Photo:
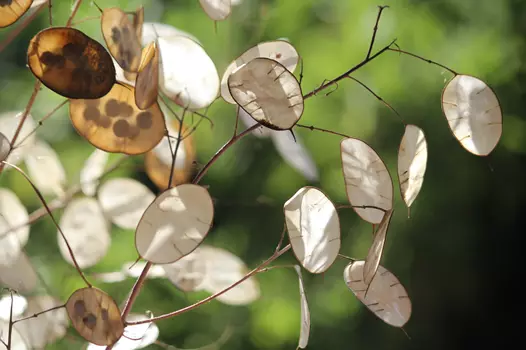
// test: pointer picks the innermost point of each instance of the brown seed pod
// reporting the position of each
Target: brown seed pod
(115, 124)
(138, 20)
(71, 63)
(95, 315)
(147, 81)
(157, 162)
(12, 10)
(121, 38)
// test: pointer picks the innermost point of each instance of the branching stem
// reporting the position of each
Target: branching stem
(424, 59)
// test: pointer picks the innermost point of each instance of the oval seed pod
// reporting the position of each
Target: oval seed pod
(91, 172)
(5, 147)
(473, 114)
(372, 261)
(268, 92)
(217, 10)
(174, 224)
(12, 10)
(412, 161)
(277, 50)
(147, 80)
(187, 273)
(386, 297)
(367, 180)
(95, 316)
(20, 275)
(158, 161)
(151, 31)
(14, 234)
(314, 229)
(71, 63)
(115, 124)
(121, 37)
(138, 21)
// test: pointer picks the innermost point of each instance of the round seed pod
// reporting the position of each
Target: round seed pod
(95, 315)
(147, 81)
(71, 63)
(12, 10)
(121, 37)
(115, 124)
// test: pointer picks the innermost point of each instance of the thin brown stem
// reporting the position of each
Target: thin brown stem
(345, 206)
(135, 290)
(50, 13)
(375, 29)
(174, 154)
(312, 127)
(41, 197)
(212, 297)
(73, 13)
(86, 19)
(350, 71)
(378, 97)
(424, 59)
(40, 313)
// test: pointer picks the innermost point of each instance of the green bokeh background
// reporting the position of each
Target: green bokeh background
(459, 253)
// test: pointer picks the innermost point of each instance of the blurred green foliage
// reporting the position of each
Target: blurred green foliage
(451, 255)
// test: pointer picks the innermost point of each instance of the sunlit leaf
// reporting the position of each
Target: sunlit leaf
(147, 82)
(412, 161)
(294, 153)
(45, 169)
(314, 229)
(86, 230)
(115, 124)
(188, 75)
(187, 273)
(305, 313)
(174, 224)
(20, 275)
(124, 201)
(217, 10)
(19, 303)
(91, 171)
(13, 231)
(277, 50)
(268, 92)
(95, 316)
(12, 10)
(58, 57)
(8, 124)
(386, 297)
(473, 113)
(224, 269)
(367, 180)
(375, 252)
(47, 327)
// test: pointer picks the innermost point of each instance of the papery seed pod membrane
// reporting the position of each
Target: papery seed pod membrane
(147, 81)
(473, 114)
(217, 10)
(115, 124)
(70, 63)
(20, 275)
(45, 169)
(412, 161)
(9, 122)
(267, 91)
(372, 261)
(14, 233)
(278, 50)
(92, 170)
(12, 10)
(151, 31)
(305, 313)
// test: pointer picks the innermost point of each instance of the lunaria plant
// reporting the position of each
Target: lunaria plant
(129, 95)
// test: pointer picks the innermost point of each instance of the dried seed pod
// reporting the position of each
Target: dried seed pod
(217, 10)
(95, 315)
(12, 10)
(138, 20)
(268, 92)
(71, 63)
(147, 81)
(121, 37)
(115, 124)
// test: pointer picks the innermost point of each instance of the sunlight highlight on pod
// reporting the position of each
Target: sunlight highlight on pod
(95, 316)
(8, 123)
(38, 332)
(372, 261)
(124, 201)
(12, 10)
(223, 269)
(88, 234)
(279, 50)
(268, 92)
(121, 38)
(305, 313)
(71, 63)
(367, 180)
(174, 224)
(91, 171)
(158, 161)
(314, 229)
(153, 30)
(45, 169)
(217, 10)
(188, 75)
(13, 214)
(386, 296)
(412, 161)
(115, 124)
(147, 81)
(473, 114)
